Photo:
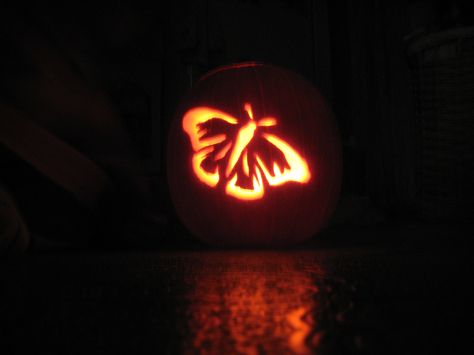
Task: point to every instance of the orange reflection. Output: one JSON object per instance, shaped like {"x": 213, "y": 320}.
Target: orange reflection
{"x": 302, "y": 329}
{"x": 206, "y": 145}
{"x": 253, "y": 304}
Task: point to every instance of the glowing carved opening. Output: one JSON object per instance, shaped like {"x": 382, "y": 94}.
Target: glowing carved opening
{"x": 245, "y": 163}
{"x": 209, "y": 178}
{"x": 298, "y": 171}
{"x": 216, "y": 147}
{"x": 223, "y": 151}
{"x": 255, "y": 193}
{"x": 244, "y": 137}
{"x": 267, "y": 122}
{"x": 197, "y": 116}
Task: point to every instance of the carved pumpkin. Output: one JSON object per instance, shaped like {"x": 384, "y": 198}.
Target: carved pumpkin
{"x": 254, "y": 157}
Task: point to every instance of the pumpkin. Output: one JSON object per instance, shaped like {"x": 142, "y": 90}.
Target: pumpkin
{"x": 253, "y": 157}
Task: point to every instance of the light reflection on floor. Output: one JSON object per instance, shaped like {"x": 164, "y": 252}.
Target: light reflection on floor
{"x": 254, "y": 303}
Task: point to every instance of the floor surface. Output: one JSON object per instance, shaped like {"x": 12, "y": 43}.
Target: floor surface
{"x": 361, "y": 299}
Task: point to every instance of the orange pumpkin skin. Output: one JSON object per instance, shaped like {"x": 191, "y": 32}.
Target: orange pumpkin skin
{"x": 277, "y": 215}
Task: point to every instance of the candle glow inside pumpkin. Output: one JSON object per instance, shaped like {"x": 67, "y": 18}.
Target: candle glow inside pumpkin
{"x": 233, "y": 149}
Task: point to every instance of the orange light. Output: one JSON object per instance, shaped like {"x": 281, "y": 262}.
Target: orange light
{"x": 297, "y": 340}
{"x": 248, "y": 108}
{"x": 255, "y": 193}
{"x": 197, "y": 116}
{"x": 221, "y": 154}
{"x": 267, "y": 122}
{"x": 204, "y": 145}
{"x": 245, "y": 163}
{"x": 210, "y": 179}
{"x": 298, "y": 171}
{"x": 244, "y": 137}
{"x": 258, "y": 312}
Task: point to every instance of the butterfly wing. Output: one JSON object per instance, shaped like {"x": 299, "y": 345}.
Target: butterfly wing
{"x": 207, "y": 130}
{"x": 269, "y": 159}
{"x": 287, "y": 164}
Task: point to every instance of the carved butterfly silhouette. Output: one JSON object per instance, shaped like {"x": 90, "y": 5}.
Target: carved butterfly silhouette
{"x": 237, "y": 161}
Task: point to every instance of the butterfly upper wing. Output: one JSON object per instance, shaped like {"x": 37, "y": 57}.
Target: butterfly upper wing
{"x": 194, "y": 121}
{"x": 206, "y": 128}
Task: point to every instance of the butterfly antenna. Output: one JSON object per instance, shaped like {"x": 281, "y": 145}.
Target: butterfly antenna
{"x": 248, "y": 108}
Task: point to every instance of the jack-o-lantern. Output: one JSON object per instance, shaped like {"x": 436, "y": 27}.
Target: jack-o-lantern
{"x": 254, "y": 157}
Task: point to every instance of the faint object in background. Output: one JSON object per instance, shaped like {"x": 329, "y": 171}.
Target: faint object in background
{"x": 442, "y": 67}
{"x": 54, "y": 94}
{"x": 134, "y": 104}
{"x": 14, "y": 236}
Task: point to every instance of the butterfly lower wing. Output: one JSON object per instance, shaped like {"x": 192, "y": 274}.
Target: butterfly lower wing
{"x": 296, "y": 168}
